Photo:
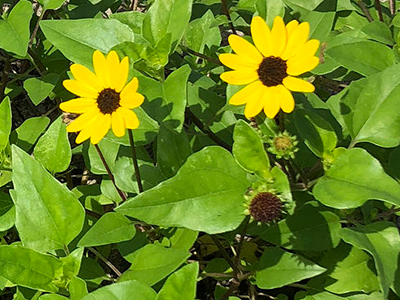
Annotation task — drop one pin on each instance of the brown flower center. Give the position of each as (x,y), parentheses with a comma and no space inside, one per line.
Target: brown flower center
(265,207)
(272,71)
(108,101)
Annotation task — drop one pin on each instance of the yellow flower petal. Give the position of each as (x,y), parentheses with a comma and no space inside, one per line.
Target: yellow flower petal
(123,74)
(286,98)
(81,122)
(299,65)
(291,26)
(245,49)
(101,69)
(78,106)
(261,35)
(130,119)
(255,104)
(239,77)
(308,49)
(86,132)
(245,93)
(102,125)
(131,100)
(278,37)
(113,69)
(298,85)
(117,123)
(271,102)
(297,39)
(85,76)
(235,61)
(130,89)
(80,89)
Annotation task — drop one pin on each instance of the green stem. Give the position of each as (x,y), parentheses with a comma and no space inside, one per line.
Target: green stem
(106,261)
(135,162)
(103,160)
(221,249)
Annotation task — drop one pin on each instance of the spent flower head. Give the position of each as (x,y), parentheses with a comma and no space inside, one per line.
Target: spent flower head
(268,69)
(105,99)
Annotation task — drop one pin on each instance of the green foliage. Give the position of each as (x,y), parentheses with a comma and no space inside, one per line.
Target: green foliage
(77,226)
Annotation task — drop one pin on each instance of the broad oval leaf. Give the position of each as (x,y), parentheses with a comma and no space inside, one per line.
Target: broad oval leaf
(131,289)
(205,195)
(154,262)
(48,215)
(78,39)
(354,178)
(28,268)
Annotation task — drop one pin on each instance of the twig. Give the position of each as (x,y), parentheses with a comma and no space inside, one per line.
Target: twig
(4,78)
(365,10)
(41,68)
(208,132)
(134,5)
(234,286)
(106,261)
(135,163)
(379,9)
(202,56)
(239,246)
(221,249)
(103,160)
(392,6)
(35,30)
(225,10)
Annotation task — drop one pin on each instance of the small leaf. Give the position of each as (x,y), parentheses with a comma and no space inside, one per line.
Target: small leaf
(248,150)
(48,215)
(39,88)
(110,228)
(28,268)
(354,178)
(154,262)
(53,150)
(215,206)
(132,289)
(77,288)
(278,268)
(181,284)
(28,132)
(14,31)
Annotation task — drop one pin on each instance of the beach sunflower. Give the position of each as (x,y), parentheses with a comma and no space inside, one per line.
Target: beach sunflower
(268,69)
(105,98)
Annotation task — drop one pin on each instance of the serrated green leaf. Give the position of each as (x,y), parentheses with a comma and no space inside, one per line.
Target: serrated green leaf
(28,268)
(53,150)
(216,203)
(278,268)
(110,228)
(14,30)
(48,215)
(354,178)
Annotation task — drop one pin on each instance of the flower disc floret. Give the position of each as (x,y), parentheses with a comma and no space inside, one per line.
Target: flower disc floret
(104,98)
(268,68)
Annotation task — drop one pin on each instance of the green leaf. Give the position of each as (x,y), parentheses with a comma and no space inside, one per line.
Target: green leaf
(53,150)
(39,88)
(26,135)
(167,17)
(14,30)
(278,268)
(213,207)
(52,297)
(268,10)
(248,150)
(5,122)
(360,56)
(48,215)
(71,265)
(133,19)
(154,262)
(28,268)
(316,132)
(77,288)
(372,117)
(123,290)
(78,39)
(320,24)
(382,241)
(183,238)
(308,228)
(51,4)
(181,284)
(378,31)
(110,228)
(354,178)
(7,212)
(172,150)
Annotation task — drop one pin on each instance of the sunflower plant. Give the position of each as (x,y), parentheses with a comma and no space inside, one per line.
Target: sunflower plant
(188,149)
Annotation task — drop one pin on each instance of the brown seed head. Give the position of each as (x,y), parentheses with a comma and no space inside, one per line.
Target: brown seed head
(265,207)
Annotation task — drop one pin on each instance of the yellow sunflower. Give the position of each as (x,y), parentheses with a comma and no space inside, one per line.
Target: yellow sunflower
(268,69)
(105,100)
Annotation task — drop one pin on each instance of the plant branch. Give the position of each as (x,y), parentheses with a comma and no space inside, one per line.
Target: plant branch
(4,78)
(225,254)
(379,9)
(225,10)
(392,6)
(35,30)
(135,163)
(41,68)
(103,160)
(365,10)
(239,246)
(202,56)
(205,130)
(106,261)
